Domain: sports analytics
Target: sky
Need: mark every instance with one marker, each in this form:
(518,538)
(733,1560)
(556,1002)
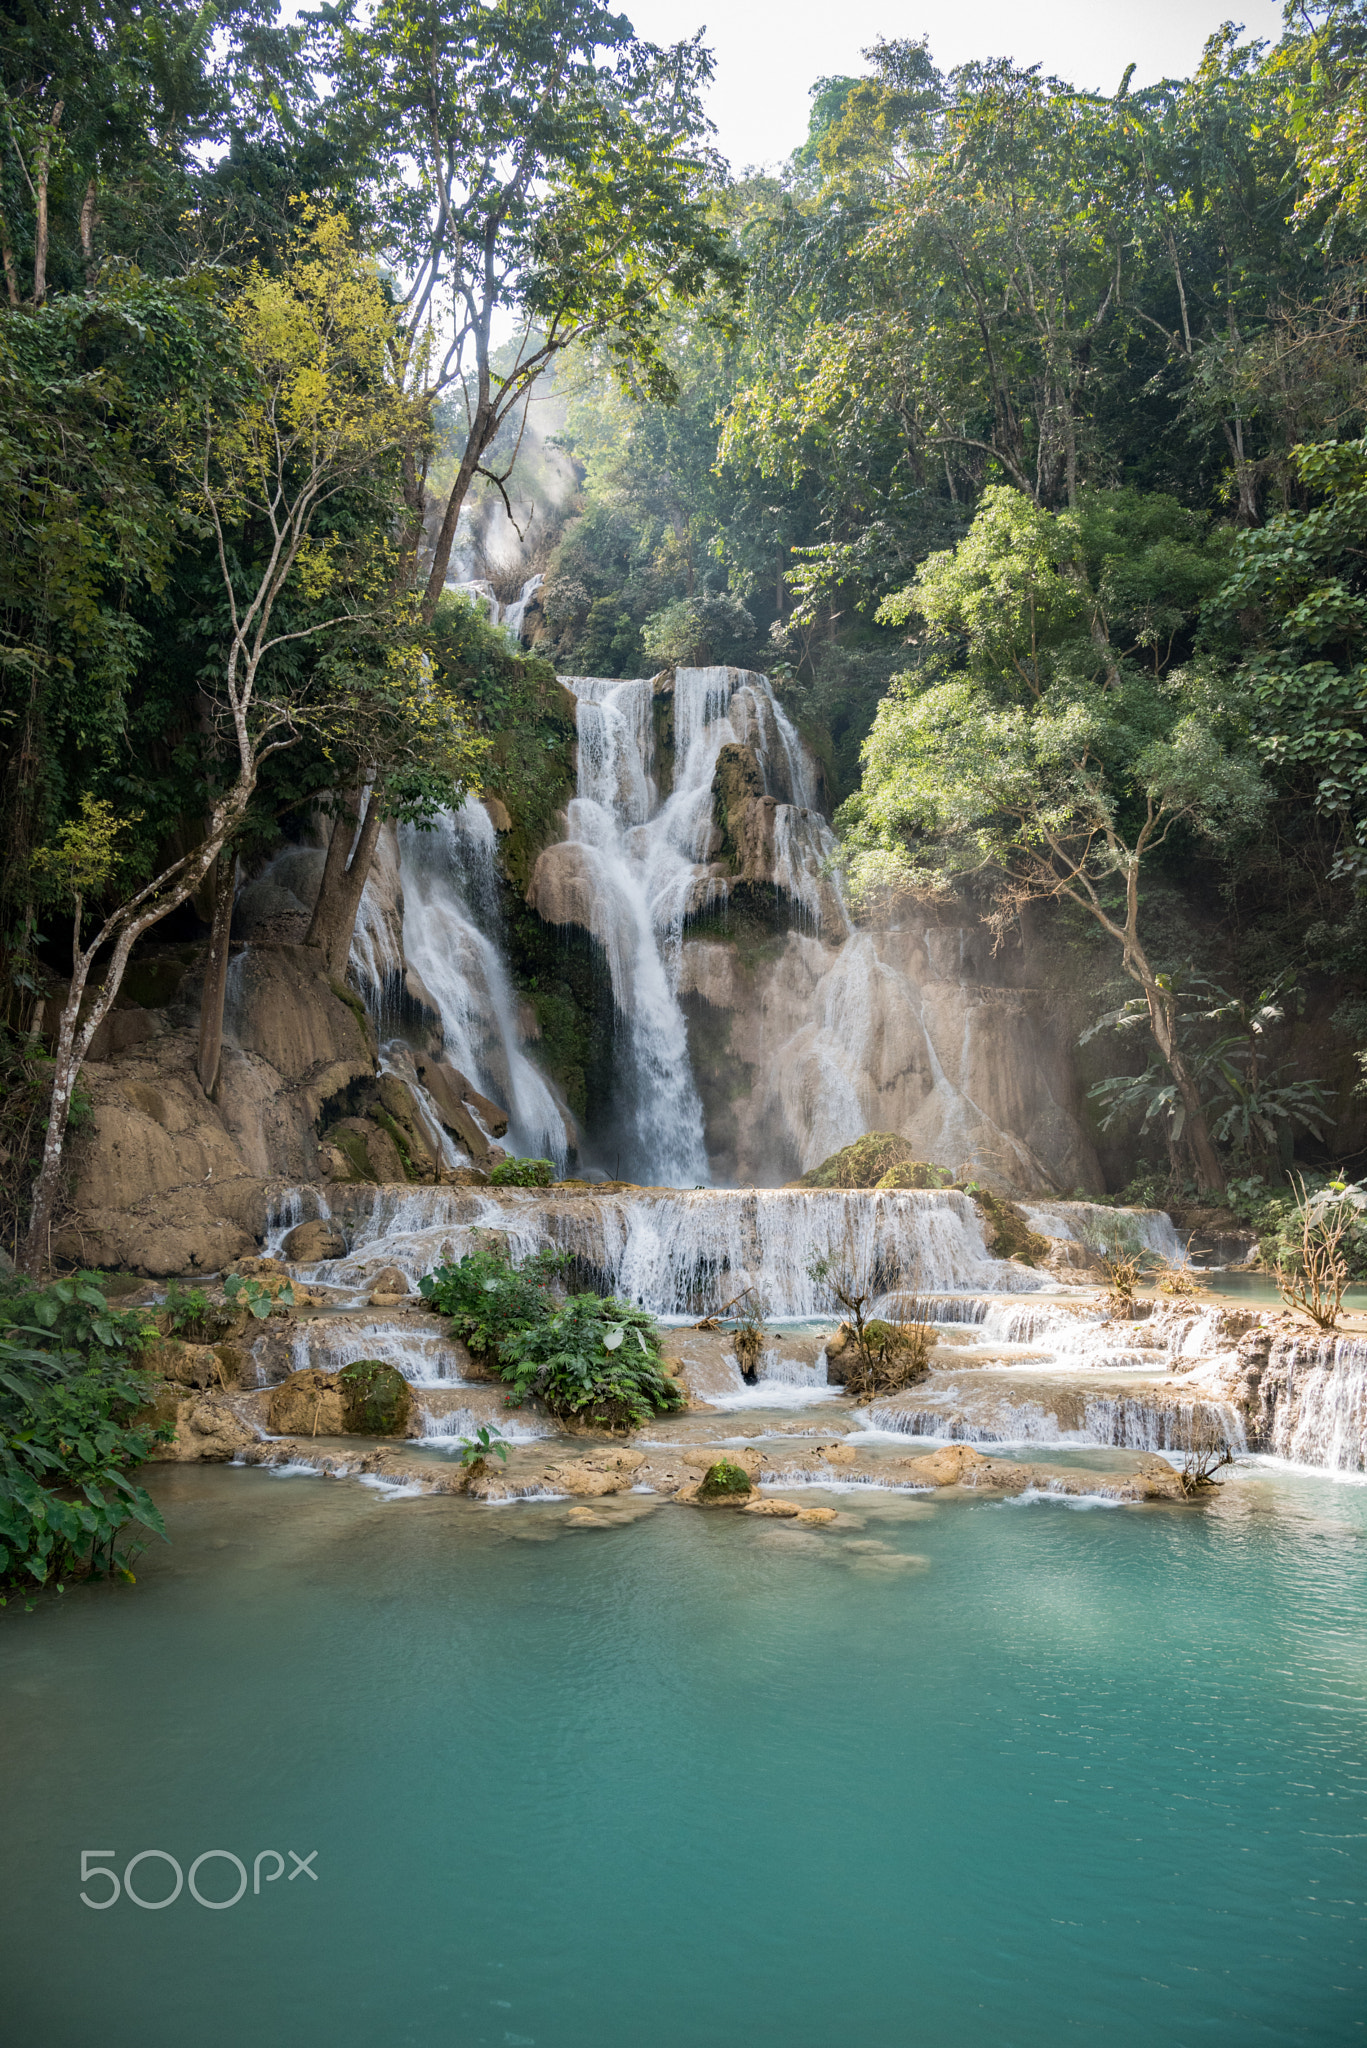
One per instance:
(770,52)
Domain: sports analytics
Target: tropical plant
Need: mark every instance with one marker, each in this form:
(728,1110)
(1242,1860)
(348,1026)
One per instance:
(257,1297)
(476,1450)
(487,1297)
(594,1361)
(70,1434)
(590,1359)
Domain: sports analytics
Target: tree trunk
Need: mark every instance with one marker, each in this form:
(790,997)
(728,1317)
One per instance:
(343,883)
(1210,1174)
(42,159)
(482,429)
(216,975)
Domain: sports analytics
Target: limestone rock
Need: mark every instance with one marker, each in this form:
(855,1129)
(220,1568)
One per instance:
(594,1477)
(187,1365)
(308,1243)
(389,1280)
(208,1430)
(779,1509)
(466,1113)
(499,816)
(816,1518)
(377,1398)
(308,1403)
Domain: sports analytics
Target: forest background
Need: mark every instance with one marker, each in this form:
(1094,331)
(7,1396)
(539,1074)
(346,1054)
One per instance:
(1016,431)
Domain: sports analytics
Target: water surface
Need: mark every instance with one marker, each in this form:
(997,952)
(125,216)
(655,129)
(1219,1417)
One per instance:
(958,1772)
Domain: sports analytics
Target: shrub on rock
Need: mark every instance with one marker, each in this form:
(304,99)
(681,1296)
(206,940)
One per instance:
(869,1162)
(724,1481)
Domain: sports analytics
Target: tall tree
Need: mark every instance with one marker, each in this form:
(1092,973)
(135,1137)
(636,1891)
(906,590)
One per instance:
(528,165)
(1062,751)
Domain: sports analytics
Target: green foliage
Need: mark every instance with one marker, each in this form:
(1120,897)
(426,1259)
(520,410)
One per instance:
(591,1360)
(257,1297)
(70,1392)
(524,717)
(869,1160)
(724,1481)
(522,1173)
(700,631)
(1300,584)
(188,1314)
(477,1449)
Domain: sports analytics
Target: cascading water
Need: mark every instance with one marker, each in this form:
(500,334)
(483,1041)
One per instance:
(450,939)
(641,867)
(511,617)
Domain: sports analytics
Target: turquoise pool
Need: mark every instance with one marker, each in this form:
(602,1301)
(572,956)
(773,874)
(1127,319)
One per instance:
(956,1773)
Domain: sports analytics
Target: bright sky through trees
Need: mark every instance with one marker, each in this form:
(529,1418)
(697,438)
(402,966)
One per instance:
(769,52)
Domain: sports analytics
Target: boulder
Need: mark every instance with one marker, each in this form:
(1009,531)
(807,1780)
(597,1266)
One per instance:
(377,1398)
(208,1429)
(389,1280)
(864,1163)
(307,1243)
(308,1403)
(725,1481)
(594,1477)
(456,1099)
(780,1510)
(370,1152)
(186,1365)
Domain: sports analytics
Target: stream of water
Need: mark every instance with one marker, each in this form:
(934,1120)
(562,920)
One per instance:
(953,1773)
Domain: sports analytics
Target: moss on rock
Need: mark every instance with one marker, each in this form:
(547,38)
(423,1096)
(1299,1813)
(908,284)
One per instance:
(869,1161)
(377,1398)
(1007,1234)
(723,1481)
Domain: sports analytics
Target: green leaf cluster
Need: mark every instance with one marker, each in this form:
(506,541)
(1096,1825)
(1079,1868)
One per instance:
(70,1435)
(591,1360)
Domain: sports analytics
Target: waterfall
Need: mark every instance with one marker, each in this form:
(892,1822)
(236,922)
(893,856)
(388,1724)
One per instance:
(642,881)
(682,1254)
(511,617)
(640,867)
(1316,1389)
(451,940)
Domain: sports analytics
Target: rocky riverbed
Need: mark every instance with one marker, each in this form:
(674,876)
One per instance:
(1133,1402)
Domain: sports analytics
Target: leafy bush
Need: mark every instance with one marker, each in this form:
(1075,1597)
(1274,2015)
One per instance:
(869,1160)
(590,1359)
(70,1393)
(258,1297)
(522,1173)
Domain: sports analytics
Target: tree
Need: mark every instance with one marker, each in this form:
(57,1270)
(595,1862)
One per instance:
(308,415)
(1050,747)
(1298,593)
(533,162)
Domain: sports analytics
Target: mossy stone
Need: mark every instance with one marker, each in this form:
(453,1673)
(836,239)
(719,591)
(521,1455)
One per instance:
(867,1162)
(378,1398)
(723,1481)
